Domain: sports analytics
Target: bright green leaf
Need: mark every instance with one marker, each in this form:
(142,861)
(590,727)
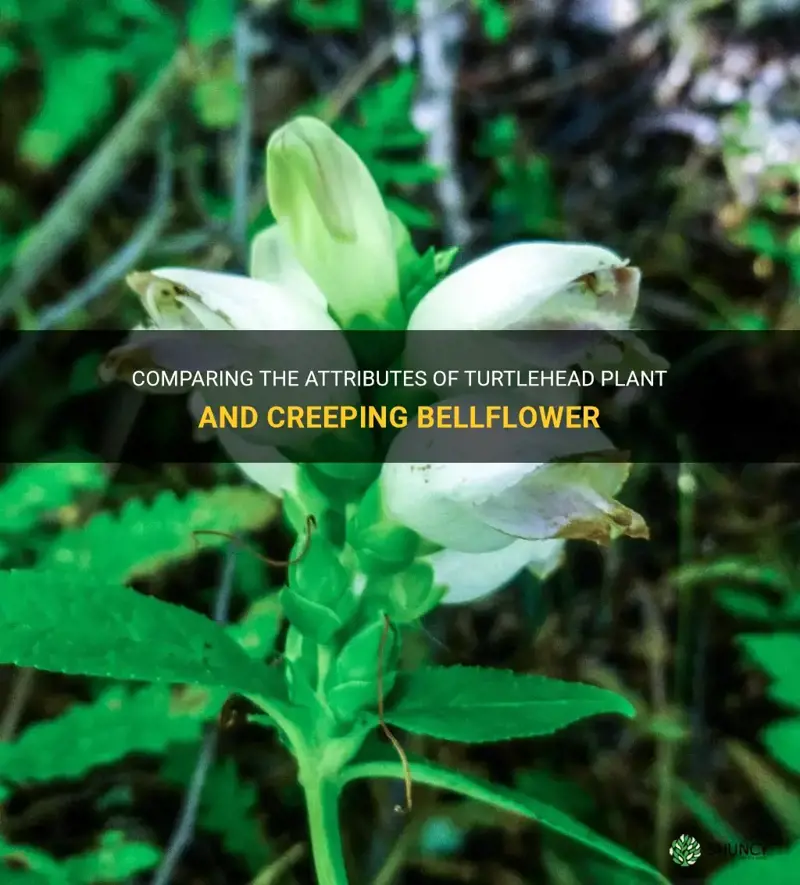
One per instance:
(78,96)
(64,622)
(377,763)
(145,538)
(782,740)
(116,860)
(33,490)
(478,705)
(119,722)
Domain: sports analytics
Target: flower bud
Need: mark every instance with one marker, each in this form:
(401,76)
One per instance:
(333,216)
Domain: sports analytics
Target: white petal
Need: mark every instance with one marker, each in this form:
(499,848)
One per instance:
(565,501)
(470,576)
(444,499)
(244,302)
(533,285)
(273,261)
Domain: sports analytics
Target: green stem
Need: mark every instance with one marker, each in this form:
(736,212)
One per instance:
(322,802)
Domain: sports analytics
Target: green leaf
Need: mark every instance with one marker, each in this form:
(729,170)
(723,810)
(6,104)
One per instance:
(352,684)
(65,623)
(41,868)
(33,490)
(778,654)
(119,722)
(479,705)
(744,604)
(319,600)
(143,539)
(322,15)
(209,22)
(228,807)
(782,740)
(375,762)
(116,860)
(78,96)
(777,868)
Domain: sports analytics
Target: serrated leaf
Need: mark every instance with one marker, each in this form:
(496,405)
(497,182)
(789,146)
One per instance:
(65,623)
(34,489)
(375,762)
(479,705)
(78,95)
(228,807)
(144,539)
(119,722)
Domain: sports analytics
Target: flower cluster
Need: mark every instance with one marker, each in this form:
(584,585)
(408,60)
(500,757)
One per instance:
(332,261)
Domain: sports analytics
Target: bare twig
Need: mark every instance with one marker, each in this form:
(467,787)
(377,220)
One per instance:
(125,258)
(67,219)
(240,213)
(184,831)
(18,697)
(441,27)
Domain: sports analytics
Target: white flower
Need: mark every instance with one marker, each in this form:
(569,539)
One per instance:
(535,285)
(182,300)
(480,507)
(471,576)
(333,217)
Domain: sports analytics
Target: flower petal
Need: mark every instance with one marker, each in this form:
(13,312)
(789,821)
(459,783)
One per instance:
(460,503)
(572,501)
(326,201)
(201,299)
(471,576)
(273,261)
(534,285)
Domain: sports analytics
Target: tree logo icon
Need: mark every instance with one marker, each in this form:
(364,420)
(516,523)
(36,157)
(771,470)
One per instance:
(685,851)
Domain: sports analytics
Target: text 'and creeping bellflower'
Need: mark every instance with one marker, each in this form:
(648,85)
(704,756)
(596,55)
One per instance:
(331,259)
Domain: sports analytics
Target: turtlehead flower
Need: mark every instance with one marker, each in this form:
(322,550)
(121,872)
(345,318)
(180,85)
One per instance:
(478,507)
(331,213)
(537,285)
(471,576)
(179,300)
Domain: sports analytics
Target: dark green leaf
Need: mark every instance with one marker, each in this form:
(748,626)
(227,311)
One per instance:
(478,705)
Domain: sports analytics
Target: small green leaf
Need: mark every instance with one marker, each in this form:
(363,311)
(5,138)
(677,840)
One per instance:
(744,604)
(375,762)
(380,544)
(119,722)
(407,595)
(209,22)
(229,806)
(78,95)
(63,622)
(33,490)
(782,740)
(479,705)
(145,538)
(322,15)
(319,600)
(352,684)
(116,860)
(778,654)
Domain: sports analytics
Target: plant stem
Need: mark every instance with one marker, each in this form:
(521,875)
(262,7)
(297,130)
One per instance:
(322,802)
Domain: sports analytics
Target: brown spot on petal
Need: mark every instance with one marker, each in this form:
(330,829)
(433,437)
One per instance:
(603,528)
